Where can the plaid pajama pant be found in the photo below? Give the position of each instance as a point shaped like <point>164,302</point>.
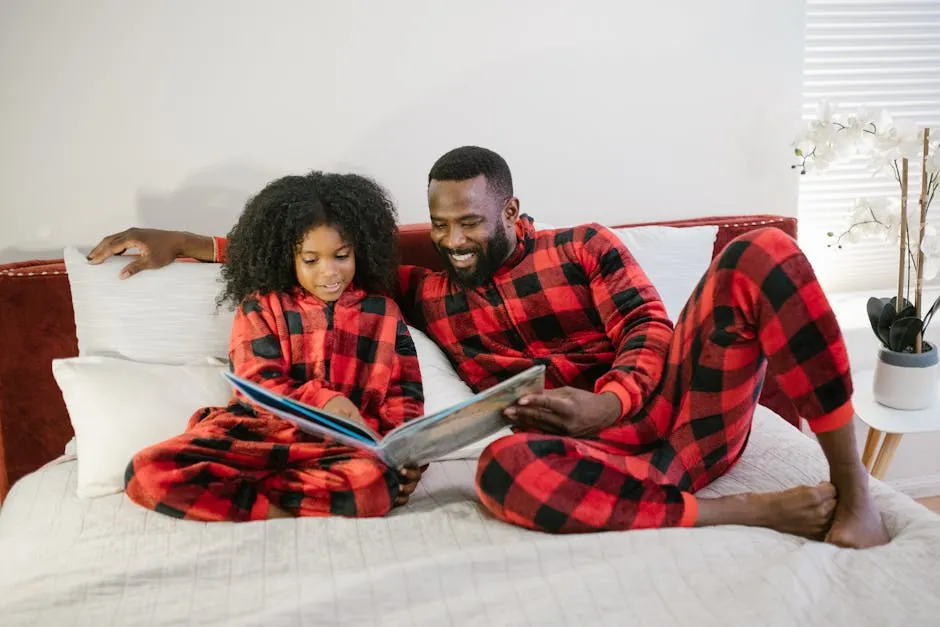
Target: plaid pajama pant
<point>232,464</point>
<point>758,306</point>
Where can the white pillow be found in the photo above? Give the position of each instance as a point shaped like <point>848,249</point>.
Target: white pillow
<point>118,407</point>
<point>674,258</point>
<point>166,316</point>
<point>542,226</point>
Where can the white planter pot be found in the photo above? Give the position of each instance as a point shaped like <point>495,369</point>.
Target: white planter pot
<point>907,380</point>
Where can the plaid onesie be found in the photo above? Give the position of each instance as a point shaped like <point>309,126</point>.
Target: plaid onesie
<point>576,301</point>
<point>232,462</point>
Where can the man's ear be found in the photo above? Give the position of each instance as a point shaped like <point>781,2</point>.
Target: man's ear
<point>511,211</point>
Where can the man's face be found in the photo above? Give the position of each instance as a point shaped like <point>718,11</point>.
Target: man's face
<point>472,229</point>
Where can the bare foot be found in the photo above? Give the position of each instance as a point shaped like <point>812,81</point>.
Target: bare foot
<point>857,523</point>
<point>803,511</point>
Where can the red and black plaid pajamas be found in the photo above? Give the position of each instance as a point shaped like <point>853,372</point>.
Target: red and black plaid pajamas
<point>576,301</point>
<point>232,463</point>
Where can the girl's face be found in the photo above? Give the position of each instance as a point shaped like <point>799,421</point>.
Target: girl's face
<point>325,263</point>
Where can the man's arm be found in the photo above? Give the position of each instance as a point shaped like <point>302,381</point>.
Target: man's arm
<point>636,322</point>
<point>157,248</point>
<point>634,318</point>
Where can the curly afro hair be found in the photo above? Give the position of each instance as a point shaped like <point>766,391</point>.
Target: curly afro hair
<point>264,241</point>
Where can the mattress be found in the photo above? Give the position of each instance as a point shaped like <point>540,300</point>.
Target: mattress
<point>442,561</point>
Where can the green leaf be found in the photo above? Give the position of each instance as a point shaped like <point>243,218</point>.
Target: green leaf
<point>908,312</point>
<point>885,320</point>
<point>830,234</point>
<point>930,313</point>
<point>875,307</point>
<point>894,303</point>
<point>904,334</point>
<point>798,152</point>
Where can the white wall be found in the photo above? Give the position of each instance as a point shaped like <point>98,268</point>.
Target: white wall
<point>171,113</point>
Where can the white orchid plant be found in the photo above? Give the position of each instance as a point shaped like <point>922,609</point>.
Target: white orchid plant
<point>892,148</point>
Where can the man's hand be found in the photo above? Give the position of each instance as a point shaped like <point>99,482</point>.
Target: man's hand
<point>157,248</point>
<point>565,411</point>
<point>408,477</point>
<point>342,406</point>
<point>857,523</point>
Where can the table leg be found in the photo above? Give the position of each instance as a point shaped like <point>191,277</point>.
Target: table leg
<point>888,447</point>
<point>871,447</point>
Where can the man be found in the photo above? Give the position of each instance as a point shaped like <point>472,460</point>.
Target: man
<point>637,416</point>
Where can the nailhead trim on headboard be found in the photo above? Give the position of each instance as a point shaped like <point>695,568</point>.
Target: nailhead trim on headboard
<point>12,273</point>
<point>759,223</point>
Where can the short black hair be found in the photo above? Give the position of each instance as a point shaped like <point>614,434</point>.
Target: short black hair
<point>467,162</point>
<point>263,243</point>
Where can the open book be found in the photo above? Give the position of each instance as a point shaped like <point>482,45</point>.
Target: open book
<point>416,442</point>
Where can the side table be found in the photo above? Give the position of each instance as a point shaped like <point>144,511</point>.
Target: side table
<point>892,423</point>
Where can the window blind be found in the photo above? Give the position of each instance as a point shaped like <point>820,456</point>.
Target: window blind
<point>882,54</point>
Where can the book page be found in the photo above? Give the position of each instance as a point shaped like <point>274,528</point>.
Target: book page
<point>423,440</point>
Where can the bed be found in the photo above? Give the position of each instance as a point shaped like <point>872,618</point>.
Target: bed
<point>70,559</point>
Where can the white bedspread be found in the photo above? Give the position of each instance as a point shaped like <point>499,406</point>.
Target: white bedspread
<point>442,561</point>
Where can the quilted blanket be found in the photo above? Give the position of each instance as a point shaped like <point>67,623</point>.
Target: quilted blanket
<point>442,561</point>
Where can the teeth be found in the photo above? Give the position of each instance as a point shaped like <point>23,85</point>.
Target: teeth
<point>463,257</point>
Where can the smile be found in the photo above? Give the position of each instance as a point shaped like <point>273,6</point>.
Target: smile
<point>462,260</point>
<point>330,287</point>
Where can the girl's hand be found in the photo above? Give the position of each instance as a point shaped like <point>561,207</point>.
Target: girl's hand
<point>408,477</point>
<point>342,406</point>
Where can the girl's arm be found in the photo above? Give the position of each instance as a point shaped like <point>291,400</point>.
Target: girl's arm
<point>405,397</point>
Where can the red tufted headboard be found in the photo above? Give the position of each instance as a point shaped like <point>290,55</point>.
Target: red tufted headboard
<point>37,326</point>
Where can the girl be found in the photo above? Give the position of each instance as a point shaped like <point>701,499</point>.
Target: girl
<point>308,266</point>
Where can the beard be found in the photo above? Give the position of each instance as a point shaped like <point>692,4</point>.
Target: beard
<point>489,258</point>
